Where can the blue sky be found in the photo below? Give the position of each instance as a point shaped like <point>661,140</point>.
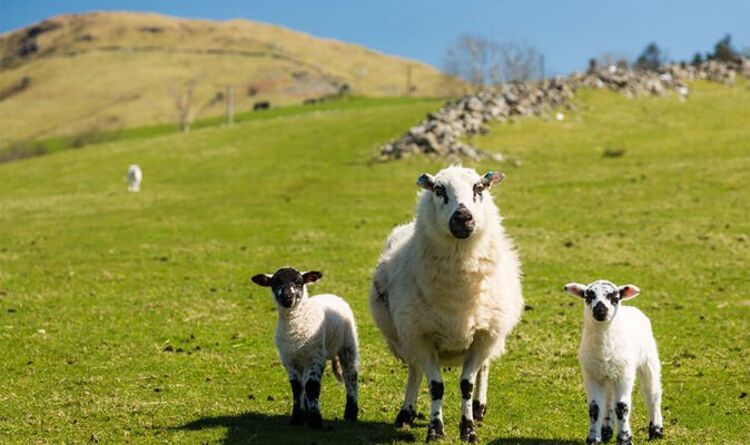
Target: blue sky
<point>567,33</point>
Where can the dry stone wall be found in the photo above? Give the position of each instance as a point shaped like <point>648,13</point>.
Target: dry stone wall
<point>440,132</point>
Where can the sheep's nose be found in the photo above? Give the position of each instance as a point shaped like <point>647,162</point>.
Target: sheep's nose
<point>600,311</point>
<point>462,214</point>
<point>461,223</point>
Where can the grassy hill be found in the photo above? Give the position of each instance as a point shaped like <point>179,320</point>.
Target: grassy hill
<point>96,283</point>
<point>101,71</point>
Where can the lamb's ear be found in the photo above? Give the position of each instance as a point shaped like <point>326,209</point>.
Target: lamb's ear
<point>312,276</point>
<point>491,178</point>
<point>576,289</point>
<point>262,279</point>
<point>426,181</point>
<point>628,291</point>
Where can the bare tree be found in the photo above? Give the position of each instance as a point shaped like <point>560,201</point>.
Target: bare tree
<point>484,62</point>
<point>182,95</point>
<point>519,61</point>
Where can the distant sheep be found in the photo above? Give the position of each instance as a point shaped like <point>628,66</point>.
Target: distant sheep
<point>311,331</point>
<point>447,292</point>
<point>262,105</point>
<point>617,343</point>
<point>135,176</point>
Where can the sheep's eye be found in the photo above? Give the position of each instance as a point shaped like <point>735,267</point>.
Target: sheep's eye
<point>613,297</point>
<point>440,192</point>
<point>478,189</point>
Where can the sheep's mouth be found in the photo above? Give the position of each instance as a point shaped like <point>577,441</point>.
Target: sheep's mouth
<point>287,301</point>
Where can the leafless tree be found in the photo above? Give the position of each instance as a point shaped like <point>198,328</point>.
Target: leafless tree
<point>183,95</point>
<point>484,62</point>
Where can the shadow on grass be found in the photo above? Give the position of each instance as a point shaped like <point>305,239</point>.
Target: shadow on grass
<point>533,441</point>
<point>254,428</point>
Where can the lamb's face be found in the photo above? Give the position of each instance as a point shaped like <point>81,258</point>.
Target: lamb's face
<point>287,285</point>
<point>458,195</point>
<point>602,298</point>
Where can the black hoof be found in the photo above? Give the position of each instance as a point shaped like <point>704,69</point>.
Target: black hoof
<point>624,439</point>
<point>435,431</point>
<point>607,433</point>
<point>479,410</point>
<point>405,417</point>
<point>298,416</point>
<point>468,433</point>
<point>655,432</point>
<point>351,411</point>
<point>593,441</point>
<point>315,420</point>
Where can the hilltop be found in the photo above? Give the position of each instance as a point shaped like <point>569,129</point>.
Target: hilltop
<point>86,73</point>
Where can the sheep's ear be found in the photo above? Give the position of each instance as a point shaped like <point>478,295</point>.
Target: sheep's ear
<point>491,178</point>
<point>629,291</point>
<point>426,181</point>
<point>262,279</point>
<point>312,276</point>
<point>576,289</point>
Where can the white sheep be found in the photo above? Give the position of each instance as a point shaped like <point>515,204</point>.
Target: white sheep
<point>135,176</point>
<point>447,291</point>
<point>310,331</point>
<point>617,343</point>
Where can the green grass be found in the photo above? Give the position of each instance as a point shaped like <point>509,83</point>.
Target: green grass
<point>61,143</point>
<point>96,282</point>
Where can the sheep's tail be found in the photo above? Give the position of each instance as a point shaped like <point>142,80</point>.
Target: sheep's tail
<point>338,371</point>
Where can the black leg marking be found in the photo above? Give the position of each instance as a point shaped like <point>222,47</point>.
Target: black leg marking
<point>298,413</point>
<point>593,412</point>
<point>312,389</point>
<point>607,433</point>
<point>312,392</point>
<point>479,410</point>
<point>594,441</point>
<point>621,410</point>
<point>406,417</point>
<point>467,389</point>
<point>352,409</point>
<point>436,390</point>
<point>435,430</point>
<point>654,431</point>
<point>466,428</point>
<point>624,439</point>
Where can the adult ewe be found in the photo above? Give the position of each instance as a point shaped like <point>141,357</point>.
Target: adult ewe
<point>447,291</point>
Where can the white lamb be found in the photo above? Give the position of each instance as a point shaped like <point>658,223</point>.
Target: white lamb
<point>447,291</point>
<point>617,344</point>
<point>312,330</point>
<point>135,176</point>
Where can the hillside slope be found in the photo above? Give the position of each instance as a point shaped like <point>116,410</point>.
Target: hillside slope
<point>90,72</point>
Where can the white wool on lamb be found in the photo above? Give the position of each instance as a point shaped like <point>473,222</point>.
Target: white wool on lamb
<point>617,344</point>
<point>447,291</point>
<point>310,331</point>
<point>135,176</point>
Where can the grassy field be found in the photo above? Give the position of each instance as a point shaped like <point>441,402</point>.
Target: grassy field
<point>130,318</point>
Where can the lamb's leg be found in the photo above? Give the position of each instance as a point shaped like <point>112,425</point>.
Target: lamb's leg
<point>595,395</point>
<point>408,412</point>
<point>312,392</point>
<point>298,411</point>
<point>608,425</point>
<point>350,363</point>
<point>472,364</point>
<point>623,405</point>
<point>435,430</point>
<point>479,405</point>
<point>650,375</point>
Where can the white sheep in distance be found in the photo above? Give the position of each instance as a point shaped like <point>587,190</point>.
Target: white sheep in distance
<point>617,343</point>
<point>447,292</point>
<point>310,331</point>
<point>135,176</point>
